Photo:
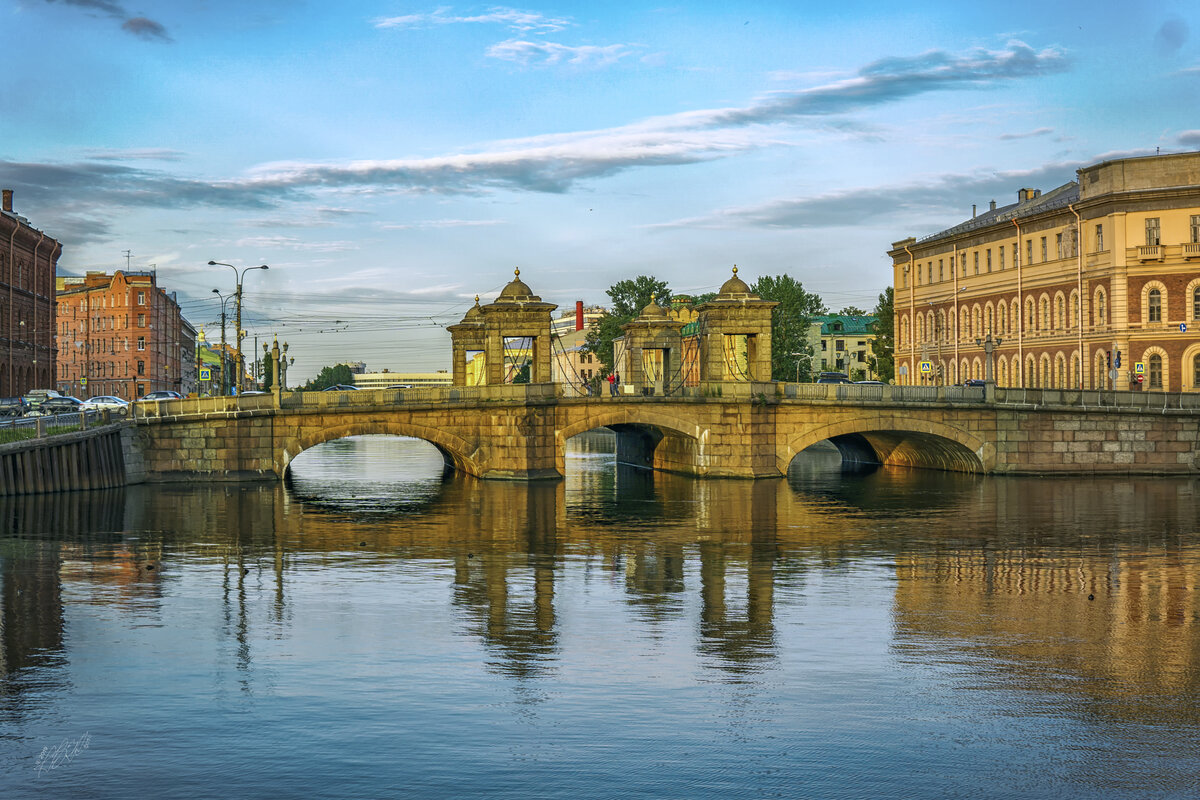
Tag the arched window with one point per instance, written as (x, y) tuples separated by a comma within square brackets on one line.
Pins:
[(1154, 306), (1196, 372), (1045, 320), (1156, 371), (1060, 313), (1196, 303), (1100, 308)]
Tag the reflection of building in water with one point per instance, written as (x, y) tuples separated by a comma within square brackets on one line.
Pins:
[(31, 613), (1030, 606), (737, 638)]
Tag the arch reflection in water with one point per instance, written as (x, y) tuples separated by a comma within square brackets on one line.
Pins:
[(374, 474)]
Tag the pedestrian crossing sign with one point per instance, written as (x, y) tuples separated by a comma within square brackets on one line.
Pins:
[(1139, 368), (926, 367), (205, 374)]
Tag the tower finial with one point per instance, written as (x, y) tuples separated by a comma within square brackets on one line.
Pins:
[(476, 299), (735, 269), (517, 272)]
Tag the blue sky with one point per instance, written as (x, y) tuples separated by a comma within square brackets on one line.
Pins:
[(390, 160)]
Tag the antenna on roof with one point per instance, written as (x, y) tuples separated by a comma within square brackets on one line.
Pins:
[(128, 256)]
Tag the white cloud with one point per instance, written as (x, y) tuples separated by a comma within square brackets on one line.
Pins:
[(511, 18), (526, 52)]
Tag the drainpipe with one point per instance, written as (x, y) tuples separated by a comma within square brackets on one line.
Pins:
[(1079, 279), (1020, 311), (957, 331), (912, 318), (33, 267), (9, 304)]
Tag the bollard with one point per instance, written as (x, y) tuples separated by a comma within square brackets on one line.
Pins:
[(41, 427)]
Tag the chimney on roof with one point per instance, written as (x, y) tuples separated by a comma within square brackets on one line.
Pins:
[(972, 211), (1027, 194), (578, 315), (8, 200), (992, 206)]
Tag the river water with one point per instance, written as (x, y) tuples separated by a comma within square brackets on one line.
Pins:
[(375, 630)]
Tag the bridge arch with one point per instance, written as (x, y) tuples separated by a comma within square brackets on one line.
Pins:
[(668, 442), (902, 441), (456, 453)]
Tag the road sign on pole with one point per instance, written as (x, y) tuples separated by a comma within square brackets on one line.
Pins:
[(926, 367), (206, 374), (1139, 368), (1183, 327)]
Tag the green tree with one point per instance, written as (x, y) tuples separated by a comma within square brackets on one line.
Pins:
[(852, 311), (330, 376), (628, 297), (883, 346), (267, 369), (790, 321)]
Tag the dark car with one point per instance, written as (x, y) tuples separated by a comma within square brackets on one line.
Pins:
[(833, 377), (64, 404), (974, 382), (340, 387), (162, 394), (12, 407)]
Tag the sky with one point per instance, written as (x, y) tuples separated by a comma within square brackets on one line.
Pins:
[(391, 160)]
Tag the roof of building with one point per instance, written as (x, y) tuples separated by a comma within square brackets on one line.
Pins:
[(849, 324), (1033, 202)]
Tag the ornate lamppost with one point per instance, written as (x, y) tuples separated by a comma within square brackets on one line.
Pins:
[(989, 345), (240, 333)]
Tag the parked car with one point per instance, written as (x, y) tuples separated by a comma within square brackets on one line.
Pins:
[(340, 387), (12, 406), (34, 397), (400, 386), (62, 404), (162, 394), (974, 382), (833, 377), (870, 383), (105, 401)]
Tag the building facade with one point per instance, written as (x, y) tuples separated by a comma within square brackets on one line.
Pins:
[(28, 261), (120, 335), (1088, 286), (842, 343)]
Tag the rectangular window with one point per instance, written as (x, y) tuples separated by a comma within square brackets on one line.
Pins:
[(141, 343), (141, 298), (930, 271), (1152, 232), (1058, 245), (1044, 251), (141, 320), (141, 368), (1196, 229), (839, 345), (989, 259), (1002, 258), (1099, 238), (1028, 252), (941, 270), (976, 262)]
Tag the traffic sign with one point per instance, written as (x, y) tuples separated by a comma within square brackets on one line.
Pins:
[(1141, 378), (926, 367), (83, 382), (1183, 327), (205, 374), (1139, 368)]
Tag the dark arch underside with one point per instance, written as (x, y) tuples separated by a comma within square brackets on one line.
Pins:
[(906, 449)]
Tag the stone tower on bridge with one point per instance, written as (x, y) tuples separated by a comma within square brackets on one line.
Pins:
[(512, 332)]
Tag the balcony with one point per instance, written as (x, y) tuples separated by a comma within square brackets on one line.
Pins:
[(1191, 249), (1150, 252)]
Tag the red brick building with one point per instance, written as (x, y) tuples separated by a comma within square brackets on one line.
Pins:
[(28, 260), (121, 335)]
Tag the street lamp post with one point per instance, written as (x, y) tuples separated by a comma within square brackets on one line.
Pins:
[(224, 350), (240, 333), (989, 345), (797, 356)]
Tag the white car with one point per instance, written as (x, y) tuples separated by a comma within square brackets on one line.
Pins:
[(115, 404)]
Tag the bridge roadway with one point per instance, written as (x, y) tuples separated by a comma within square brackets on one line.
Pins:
[(741, 430)]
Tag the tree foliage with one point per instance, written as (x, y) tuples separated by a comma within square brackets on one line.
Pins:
[(268, 378), (790, 321), (628, 297), (883, 346), (852, 311), (330, 376)]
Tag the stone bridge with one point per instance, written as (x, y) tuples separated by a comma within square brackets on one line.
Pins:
[(731, 429)]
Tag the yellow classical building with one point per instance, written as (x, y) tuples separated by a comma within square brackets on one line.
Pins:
[(1087, 286)]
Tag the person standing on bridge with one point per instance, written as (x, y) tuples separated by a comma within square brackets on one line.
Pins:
[(612, 384)]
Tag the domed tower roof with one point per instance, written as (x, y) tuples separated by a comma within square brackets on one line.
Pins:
[(473, 312), (516, 291), (735, 287), (653, 309)]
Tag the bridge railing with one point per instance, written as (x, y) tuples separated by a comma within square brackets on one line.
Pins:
[(1097, 399)]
